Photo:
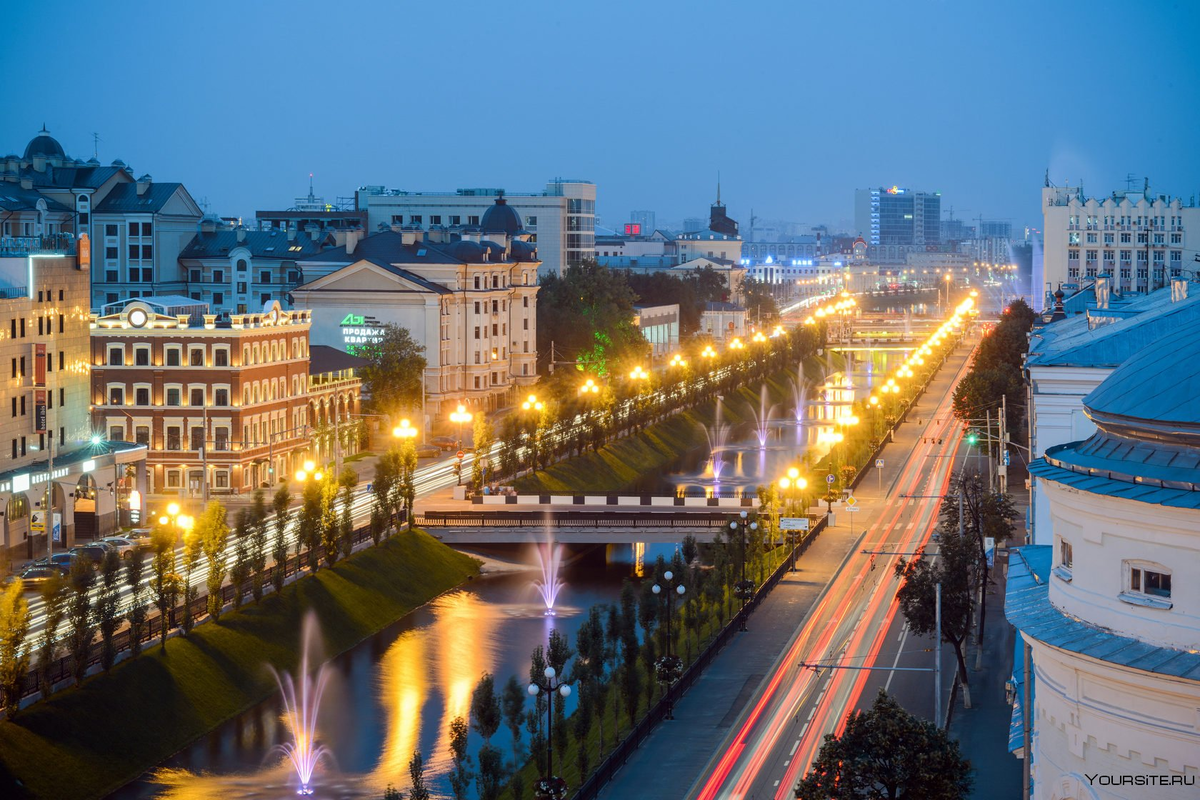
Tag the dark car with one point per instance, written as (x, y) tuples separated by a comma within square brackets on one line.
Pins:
[(35, 576), (95, 552), (62, 561), (444, 442)]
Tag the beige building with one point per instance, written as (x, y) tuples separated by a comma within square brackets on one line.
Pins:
[(468, 296), (45, 431)]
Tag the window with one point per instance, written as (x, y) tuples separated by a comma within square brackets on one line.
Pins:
[(416, 219), (218, 298), (221, 435), (172, 355), (173, 395), (455, 219), (473, 220), (141, 435), (1147, 584), (110, 254), (197, 439), (194, 275), (141, 356), (435, 219), (241, 287), (1066, 560), (141, 396), (116, 395), (173, 437), (221, 357), (116, 357), (196, 357), (218, 276), (222, 397), (110, 230), (476, 281), (531, 222), (476, 306), (116, 433), (196, 397), (525, 301), (222, 478), (241, 265), (174, 480), (264, 276), (476, 331)]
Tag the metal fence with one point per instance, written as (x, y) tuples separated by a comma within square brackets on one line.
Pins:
[(61, 669), (656, 713), (571, 519)]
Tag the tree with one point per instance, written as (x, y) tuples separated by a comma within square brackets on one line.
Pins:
[(258, 544), (347, 482), (406, 486), (241, 556), (80, 615), (648, 610), (191, 554), (759, 302), (416, 773), (485, 707), (483, 438), (54, 603), (14, 656), (887, 753), (955, 570), (512, 704), (309, 523), (587, 313), (631, 677), (558, 653), (589, 671), (106, 607), (460, 775), (213, 532), (166, 584), (134, 568), (490, 778), (331, 526), (690, 549), (280, 504), (387, 473), (392, 380)]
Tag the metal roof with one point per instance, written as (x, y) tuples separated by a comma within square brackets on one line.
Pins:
[(124, 199), (387, 247), (322, 359), (261, 244), (14, 198), (1100, 481), (1160, 383), (1027, 606)]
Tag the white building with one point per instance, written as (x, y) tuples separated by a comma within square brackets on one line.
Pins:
[(561, 220), (660, 326), (1111, 610), (469, 299), (1070, 357), (723, 321), (1137, 238)]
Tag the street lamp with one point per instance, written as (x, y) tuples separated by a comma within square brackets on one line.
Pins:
[(404, 430), (461, 416), (589, 387), (708, 352), (678, 361), (791, 484), (736, 344), (533, 404), (309, 470), (743, 589), (670, 666), (639, 374), (552, 785)]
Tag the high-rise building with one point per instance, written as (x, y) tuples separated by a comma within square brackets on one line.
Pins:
[(1135, 237), (645, 219), (995, 229), (562, 219), (45, 428), (898, 216)]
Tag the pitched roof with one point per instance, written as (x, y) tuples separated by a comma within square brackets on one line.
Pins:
[(261, 244), (124, 199), (72, 177), (399, 272), (14, 198), (322, 359), (1027, 606), (387, 247)]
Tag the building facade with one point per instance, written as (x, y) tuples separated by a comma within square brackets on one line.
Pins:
[(52, 470), (898, 216), (1137, 238), (223, 407), (468, 297), (1109, 610), (660, 326), (561, 219)]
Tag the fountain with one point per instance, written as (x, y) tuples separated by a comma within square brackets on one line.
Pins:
[(549, 558), (762, 418), (716, 435), (301, 701), (800, 395)]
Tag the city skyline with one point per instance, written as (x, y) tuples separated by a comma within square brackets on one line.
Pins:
[(652, 132)]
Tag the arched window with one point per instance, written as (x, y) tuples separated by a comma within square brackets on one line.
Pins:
[(18, 508), (241, 265)]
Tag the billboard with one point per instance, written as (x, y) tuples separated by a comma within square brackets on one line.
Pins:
[(633, 229), (39, 364), (39, 411)]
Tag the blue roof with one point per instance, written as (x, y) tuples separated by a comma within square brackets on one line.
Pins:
[(261, 244), (124, 199), (1110, 337), (1160, 384), (1027, 606), (1016, 729), (1100, 480)]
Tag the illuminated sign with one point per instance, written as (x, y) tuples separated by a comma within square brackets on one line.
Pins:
[(359, 331), (89, 465), (633, 229), (39, 411), (896, 190), (84, 248), (20, 483), (39, 364)]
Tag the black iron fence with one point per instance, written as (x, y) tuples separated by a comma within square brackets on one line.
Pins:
[(673, 518)]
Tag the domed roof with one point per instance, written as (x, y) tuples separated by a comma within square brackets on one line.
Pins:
[(501, 218), (44, 145), (468, 252), (1156, 391), (522, 250)]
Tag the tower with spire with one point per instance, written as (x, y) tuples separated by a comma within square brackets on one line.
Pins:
[(718, 220)]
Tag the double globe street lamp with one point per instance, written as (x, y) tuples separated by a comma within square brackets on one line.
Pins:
[(550, 786), (744, 589), (669, 668)]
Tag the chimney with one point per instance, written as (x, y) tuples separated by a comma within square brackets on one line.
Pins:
[(241, 233), (436, 234), (291, 232), (1179, 290), (409, 236), (1102, 292), (143, 183), (39, 163), (352, 238), (208, 225), (395, 227), (26, 183)]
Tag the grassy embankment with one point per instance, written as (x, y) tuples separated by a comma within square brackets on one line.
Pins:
[(618, 465), (86, 741)]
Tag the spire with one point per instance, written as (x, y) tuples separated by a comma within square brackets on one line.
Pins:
[(311, 199), (718, 187)]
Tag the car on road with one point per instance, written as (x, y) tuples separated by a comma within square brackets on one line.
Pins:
[(428, 451), (62, 561), (444, 442), (125, 548), (95, 551), (34, 577)]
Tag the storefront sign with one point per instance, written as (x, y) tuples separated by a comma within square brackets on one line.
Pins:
[(39, 411), (359, 331), (39, 364)]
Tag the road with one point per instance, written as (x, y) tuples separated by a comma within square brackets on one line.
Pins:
[(854, 625)]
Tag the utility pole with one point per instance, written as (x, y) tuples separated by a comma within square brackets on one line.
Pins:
[(1003, 442), (991, 468), (937, 655)]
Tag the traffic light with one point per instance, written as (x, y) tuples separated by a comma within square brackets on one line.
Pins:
[(972, 438)]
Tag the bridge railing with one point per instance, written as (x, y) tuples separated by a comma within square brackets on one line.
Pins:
[(569, 519)]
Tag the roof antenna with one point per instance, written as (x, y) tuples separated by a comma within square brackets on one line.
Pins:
[(95, 145), (718, 187), (311, 199)]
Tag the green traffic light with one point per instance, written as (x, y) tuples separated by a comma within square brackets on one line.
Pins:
[(972, 438)]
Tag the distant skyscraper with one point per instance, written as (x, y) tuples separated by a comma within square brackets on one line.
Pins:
[(995, 229), (695, 224), (645, 219), (897, 216)]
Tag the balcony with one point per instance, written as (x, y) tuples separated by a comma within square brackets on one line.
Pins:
[(53, 244)]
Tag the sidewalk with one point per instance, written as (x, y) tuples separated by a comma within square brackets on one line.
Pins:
[(982, 731)]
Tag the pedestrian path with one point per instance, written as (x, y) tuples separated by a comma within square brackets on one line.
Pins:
[(675, 755)]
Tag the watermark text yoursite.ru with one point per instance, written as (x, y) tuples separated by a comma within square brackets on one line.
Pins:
[(1140, 780)]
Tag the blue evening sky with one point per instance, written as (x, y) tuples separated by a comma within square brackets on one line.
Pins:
[(795, 103)]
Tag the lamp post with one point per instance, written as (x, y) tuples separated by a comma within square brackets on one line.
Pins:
[(669, 667), (743, 589), (551, 784), (460, 416), (791, 483)]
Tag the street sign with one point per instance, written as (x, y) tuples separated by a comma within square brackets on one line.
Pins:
[(989, 548), (793, 523), (829, 478), (851, 501), (879, 463), (460, 454), (1006, 458)]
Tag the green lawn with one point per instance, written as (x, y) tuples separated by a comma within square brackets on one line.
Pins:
[(86, 741)]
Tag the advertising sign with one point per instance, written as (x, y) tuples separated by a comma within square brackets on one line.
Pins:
[(39, 364), (793, 523), (39, 411), (359, 330)]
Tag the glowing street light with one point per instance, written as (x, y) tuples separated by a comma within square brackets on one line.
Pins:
[(736, 344), (709, 352), (533, 404), (589, 387), (639, 374), (678, 360), (460, 416), (404, 430)]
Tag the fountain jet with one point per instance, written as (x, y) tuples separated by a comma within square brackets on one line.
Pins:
[(549, 557), (762, 418), (716, 435), (301, 702)]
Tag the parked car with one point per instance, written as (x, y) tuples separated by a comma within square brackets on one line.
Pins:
[(444, 442), (428, 451), (95, 551), (140, 537), (62, 561), (35, 576), (125, 547)]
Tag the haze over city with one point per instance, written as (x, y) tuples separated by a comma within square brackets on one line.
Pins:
[(795, 104)]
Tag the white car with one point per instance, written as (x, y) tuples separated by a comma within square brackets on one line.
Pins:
[(125, 547)]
